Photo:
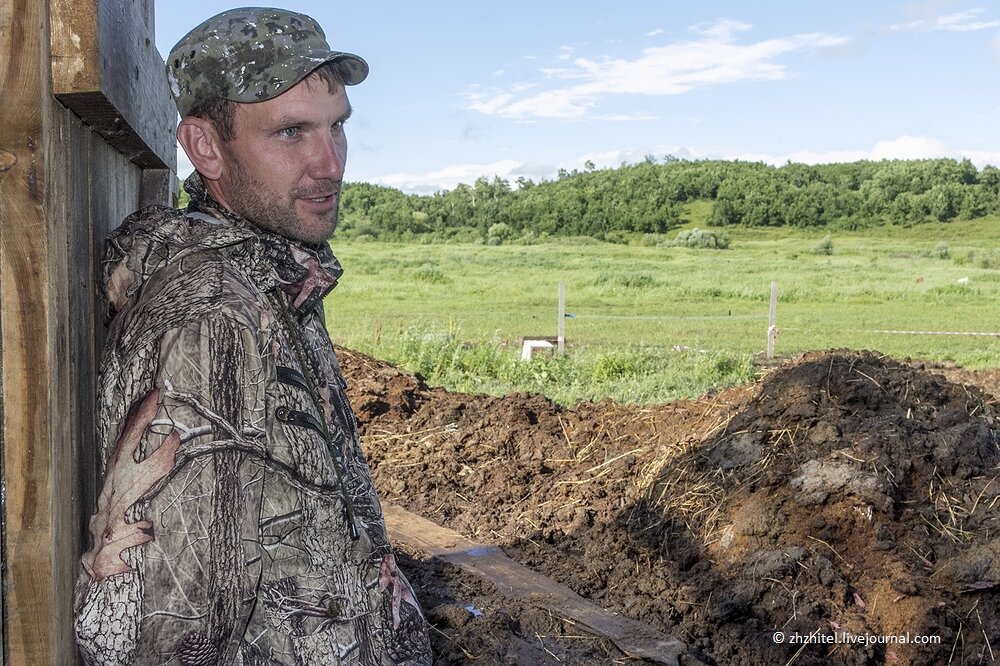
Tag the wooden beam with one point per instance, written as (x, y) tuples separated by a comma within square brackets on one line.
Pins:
[(25, 290), (63, 185), (513, 579), (105, 67)]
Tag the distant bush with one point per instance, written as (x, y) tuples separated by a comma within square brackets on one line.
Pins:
[(618, 365), (432, 274), (617, 237), (498, 233), (701, 239), (941, 251), (627, 281), (579, 240), (988, 259), (529, 238), (825, 246), (967, 258)]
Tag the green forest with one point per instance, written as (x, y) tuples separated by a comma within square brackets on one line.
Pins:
[(651, 197)]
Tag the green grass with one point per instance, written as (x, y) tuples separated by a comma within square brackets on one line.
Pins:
[(655, 323)]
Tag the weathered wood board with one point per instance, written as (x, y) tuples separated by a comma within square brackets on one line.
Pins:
[(634, 638)]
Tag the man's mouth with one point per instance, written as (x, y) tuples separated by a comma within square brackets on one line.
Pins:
[(320, 205), (323, 199)]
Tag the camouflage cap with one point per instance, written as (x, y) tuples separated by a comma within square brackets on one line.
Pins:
[(251, 54)]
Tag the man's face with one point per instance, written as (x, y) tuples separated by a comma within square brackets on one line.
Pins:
[(284, 169)]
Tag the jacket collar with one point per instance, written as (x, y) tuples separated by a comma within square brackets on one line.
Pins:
[(304, 271)]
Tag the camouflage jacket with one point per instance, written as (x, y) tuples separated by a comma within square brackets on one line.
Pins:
[(237, 522)]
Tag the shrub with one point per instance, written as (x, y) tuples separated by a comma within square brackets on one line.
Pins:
[(968, 258), (498, 233), (701, 239), (616, 237), (941, 251), (432, 274), (617, 365), (529, 238), (825, 246), (626, 281), (990, 260), (635, 281)]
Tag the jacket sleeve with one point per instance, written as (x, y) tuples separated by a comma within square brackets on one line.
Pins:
[(175, 557)]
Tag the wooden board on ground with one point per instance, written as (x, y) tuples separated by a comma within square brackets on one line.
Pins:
[(634, 638)]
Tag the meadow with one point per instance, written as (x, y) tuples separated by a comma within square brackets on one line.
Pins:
[(653, 323)]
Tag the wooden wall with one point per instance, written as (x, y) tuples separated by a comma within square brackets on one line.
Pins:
[(86, 137)]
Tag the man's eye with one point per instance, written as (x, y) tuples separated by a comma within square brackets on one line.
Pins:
[(337, 126), (288, 132)]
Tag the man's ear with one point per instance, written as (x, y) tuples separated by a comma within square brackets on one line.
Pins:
[(203, 146)]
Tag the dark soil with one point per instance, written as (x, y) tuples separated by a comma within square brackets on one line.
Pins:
[(844, 492)]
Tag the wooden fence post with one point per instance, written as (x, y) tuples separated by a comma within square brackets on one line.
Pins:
[(772, 321)]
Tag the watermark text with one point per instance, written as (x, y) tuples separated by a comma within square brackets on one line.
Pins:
[(843, 637)]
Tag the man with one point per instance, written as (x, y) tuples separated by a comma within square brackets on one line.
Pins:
[(238, 523)]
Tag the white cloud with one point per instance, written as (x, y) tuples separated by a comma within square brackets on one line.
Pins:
[(905, 147), (566, 52), (982, 157), (715, 58), (724, 29), (909, 147), (450, 176), (654, 33), (958, 22), (485, 103), (625, 117)]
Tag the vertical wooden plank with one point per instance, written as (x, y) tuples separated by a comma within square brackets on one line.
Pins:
[(61, 396), (80, 440), (91, 188), (159, 186), (108, 188), (26, 331)]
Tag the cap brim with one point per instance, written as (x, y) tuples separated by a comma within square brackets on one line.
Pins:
[(356, 66)]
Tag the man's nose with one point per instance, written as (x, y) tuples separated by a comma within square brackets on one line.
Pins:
[(329, 158)]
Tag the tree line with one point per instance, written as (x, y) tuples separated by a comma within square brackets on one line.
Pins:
[(650, 198)]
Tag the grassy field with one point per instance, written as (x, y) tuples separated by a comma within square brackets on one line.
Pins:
[(653, 324)]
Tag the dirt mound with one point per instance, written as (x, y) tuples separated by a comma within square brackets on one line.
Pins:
[(846, 492)]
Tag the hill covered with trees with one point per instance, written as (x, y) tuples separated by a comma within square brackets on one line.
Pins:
[(650, 198)]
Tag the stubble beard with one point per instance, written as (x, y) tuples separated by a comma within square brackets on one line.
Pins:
[(263, 207)]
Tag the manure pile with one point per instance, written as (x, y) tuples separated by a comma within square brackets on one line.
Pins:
[(845, 494)]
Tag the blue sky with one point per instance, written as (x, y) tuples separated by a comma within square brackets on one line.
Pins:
[(462, 89)]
